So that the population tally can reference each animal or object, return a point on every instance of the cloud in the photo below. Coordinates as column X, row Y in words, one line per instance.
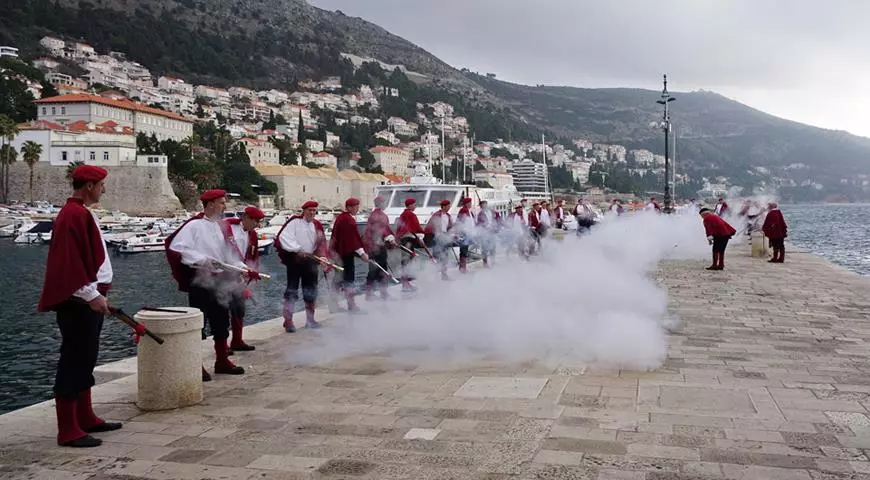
column 772, row 52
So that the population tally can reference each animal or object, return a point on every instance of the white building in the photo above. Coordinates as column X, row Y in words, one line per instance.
column 104, row 145
column 580, row 171
column 388, row 136
column 81, row 51
column 297, row 184
column 66, row 109
column 325, row 158
column 529, row 176
column 55, row 46
column 494, row 179
column 175, row 85
column 8, row 52
column 392, row 160
column 213, row 94
column 261, row 152
column 332, row 140
column 242, row 93
column 314, row 145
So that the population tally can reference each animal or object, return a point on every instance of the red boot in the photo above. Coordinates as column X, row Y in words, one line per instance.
column 370, row 290
column 88, row 420
column 69, row 433
column 384, row 294
column 238, row 324
column 288, row 317
column 309, row 315
column 463, row 265
column 222, row 363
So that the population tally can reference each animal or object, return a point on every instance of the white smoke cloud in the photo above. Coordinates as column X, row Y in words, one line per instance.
column 583, row 300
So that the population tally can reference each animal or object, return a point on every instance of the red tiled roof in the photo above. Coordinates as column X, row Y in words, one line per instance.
column 385, row 149
column 40, row 125
column 322, row 154
column 125, row 104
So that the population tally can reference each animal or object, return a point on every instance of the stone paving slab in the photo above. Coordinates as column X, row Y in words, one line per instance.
column 767, row 377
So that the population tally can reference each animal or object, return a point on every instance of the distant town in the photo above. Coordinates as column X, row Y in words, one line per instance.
column 96, row 116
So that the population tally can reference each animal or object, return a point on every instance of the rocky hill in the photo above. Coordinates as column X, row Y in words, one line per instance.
column 261, row 43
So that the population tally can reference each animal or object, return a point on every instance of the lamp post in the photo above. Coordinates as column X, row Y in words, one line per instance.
column 666, row 126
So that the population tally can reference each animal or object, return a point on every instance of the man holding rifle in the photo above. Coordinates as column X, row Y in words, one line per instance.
column 347, row 244
column 410, row 235
column 301, row 245
column 78, row 276
column 197, row 252
column 241, row 235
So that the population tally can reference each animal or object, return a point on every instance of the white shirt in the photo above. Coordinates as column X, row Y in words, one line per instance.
column 202, row 240
column 545, row 217
column 240, row 237
column 440, row 223
column 299, row 235
column 650, row 206
column 614, row 208
column 104, row 273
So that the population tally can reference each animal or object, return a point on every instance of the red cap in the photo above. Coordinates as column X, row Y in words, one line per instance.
column 310, row 204
column 518, row 207
column 380, row 200
column 255, row 213
column 410, row 201
column 351, row 202
column 466, row 200
column 210, row 195
column 89, row 173
column 444, row 202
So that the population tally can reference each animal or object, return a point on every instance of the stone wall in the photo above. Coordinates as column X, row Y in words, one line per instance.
column 130, row 189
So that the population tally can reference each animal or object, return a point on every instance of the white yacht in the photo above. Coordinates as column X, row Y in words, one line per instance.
column 39, row 234
column 16, row 226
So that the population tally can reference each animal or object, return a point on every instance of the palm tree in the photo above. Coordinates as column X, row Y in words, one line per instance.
column 71, row 167
column 31, row 152
column 8, row 131
column 8, row 156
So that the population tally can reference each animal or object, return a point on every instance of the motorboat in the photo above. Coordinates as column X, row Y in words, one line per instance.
column 39, row 234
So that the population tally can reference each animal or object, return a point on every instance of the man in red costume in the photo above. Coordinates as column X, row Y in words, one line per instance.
column 488, row 223
column 195, row 252
column 411, row 236
column 78, row 275
column 559, row 214
column 722, row 208
column 299, row 242
column 465, row 229
column 377, row 239
column 241, row 235
column 776, row 230
column 347, row 244
column 439, row 236
column 718, row 234
column 535, row 226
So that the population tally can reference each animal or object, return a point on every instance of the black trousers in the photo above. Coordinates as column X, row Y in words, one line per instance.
column 217, row 316
column 719, row 244
column 237, row 306
column 349, row 275
column 777, row 243
column 80, row 346
column 301, row 271
column 375, row 275
column 410, row 243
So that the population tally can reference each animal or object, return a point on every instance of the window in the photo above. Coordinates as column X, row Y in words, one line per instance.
column 106, row 156
column 437, row 195
column 63, row 110
column 63, row 156
column 44, row 110
column 53, row 111
column 303, row 186
column 93, row 156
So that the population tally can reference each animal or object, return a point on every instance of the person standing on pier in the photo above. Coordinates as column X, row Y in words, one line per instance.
column 195, row 252
column 411, row 235
column 535, row 226
column 347, row 244
column 722, row 208
column 520, row 230
column 465, row 229
column 439, row 235
column 299, row 243
column 718, row 233
column 488, row 223
column 776, row 230
column 78, row 275
column 241, row 235
column 377, row 239
column 559, row 214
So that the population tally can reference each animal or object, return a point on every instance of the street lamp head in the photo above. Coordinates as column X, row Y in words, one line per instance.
column 671, row 99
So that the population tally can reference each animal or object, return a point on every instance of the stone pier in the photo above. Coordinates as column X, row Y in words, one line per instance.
column 767, row 378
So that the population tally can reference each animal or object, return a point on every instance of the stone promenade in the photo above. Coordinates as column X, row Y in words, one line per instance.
column 766, row 378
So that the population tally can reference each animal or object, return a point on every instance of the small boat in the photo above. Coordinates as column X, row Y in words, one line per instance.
column 17, row 226
column 142, row 244
column 37, row 235
column 264, row 245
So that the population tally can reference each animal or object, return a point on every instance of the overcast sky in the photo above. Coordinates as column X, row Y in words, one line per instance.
column 803, row 60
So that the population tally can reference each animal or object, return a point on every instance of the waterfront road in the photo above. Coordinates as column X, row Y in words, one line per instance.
column 767, row 377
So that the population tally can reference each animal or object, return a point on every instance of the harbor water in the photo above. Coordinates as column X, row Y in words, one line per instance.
column 29, row 341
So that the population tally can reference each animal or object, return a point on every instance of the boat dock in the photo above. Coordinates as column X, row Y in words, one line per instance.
column 766, row 378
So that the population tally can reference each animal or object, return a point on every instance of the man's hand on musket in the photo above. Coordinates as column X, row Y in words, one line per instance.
column 252, row 275
column 100, row 304
column 365, row 257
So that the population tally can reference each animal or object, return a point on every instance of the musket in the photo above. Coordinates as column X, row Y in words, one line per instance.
column 327, row 263
column 136, row 326
column 384, row 270
column 242, row 270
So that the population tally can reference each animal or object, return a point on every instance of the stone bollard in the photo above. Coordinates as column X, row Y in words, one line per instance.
column 170, row 375
column 758, row 244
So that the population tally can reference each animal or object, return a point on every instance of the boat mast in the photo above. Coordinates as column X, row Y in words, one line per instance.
column 546, row 170
column 443, row 152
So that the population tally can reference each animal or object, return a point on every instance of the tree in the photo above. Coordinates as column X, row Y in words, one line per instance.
column 8, row 131
column 300, row 137
column 366, row 160
column 31, row 152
